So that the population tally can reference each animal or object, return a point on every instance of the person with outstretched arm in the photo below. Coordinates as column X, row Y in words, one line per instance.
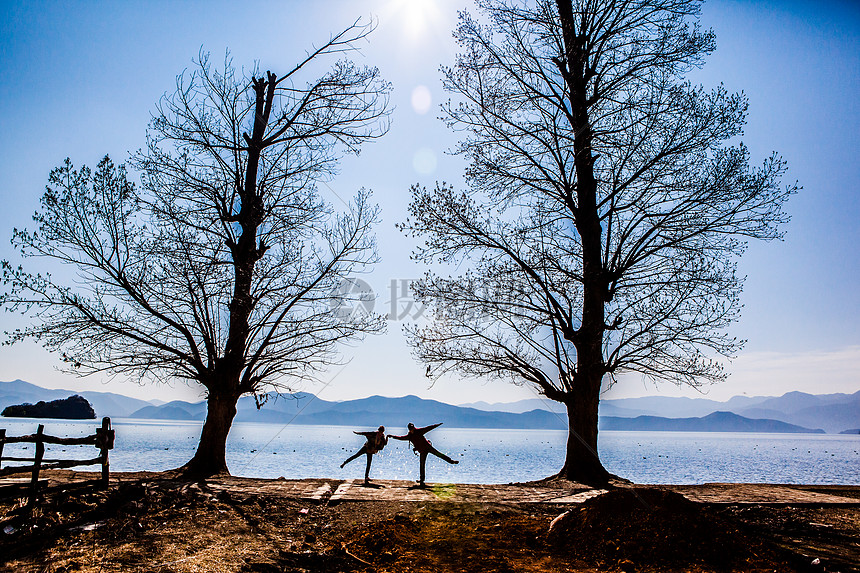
column 422, row 445
column 375, row 442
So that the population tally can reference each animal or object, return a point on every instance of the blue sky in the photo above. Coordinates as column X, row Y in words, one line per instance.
column 80, row 79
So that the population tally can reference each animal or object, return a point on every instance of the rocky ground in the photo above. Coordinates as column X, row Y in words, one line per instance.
column 156, row 522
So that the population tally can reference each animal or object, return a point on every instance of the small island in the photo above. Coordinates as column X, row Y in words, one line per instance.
column 71, row 408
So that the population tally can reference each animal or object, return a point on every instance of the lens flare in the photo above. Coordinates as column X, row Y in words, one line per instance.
column 421, row 99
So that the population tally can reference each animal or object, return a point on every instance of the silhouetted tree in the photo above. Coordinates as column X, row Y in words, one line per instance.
column 607, row 206
column 222, row 268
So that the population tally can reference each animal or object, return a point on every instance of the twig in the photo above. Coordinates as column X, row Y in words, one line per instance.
column 345, row 550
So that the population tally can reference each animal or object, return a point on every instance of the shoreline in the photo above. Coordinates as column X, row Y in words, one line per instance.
column 549, row 490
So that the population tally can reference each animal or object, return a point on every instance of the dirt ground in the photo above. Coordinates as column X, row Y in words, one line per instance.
column 155, row 522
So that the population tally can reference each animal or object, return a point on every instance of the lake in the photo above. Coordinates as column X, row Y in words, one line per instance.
column 486, row 455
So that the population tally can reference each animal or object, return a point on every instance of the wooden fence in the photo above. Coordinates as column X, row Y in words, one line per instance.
column 103, row 440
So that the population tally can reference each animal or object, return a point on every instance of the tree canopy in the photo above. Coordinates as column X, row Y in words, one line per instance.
column 607, row 202
column 223, row 266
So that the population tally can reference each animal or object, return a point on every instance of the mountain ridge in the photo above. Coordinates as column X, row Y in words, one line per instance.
column 832, row 413
column 728, row 421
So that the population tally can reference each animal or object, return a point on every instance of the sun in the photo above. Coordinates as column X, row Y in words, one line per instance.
column 416, row 18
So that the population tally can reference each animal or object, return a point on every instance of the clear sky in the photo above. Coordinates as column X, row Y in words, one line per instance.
column 80, row 79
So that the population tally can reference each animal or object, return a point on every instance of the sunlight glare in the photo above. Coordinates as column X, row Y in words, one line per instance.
column 417, row 17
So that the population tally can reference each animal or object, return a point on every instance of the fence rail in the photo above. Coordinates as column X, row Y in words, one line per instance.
column 103, row 439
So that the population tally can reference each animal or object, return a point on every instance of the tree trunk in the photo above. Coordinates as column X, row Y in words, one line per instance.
column 582, row 463
column 211, row 456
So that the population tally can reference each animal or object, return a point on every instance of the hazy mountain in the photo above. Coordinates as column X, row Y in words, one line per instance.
column 397, row 412
column 287, row 404
column 831, row 417
column 714, row 422
column 793, row 403
column 611, row 409
column 666, row 406
column 623, row 407
column 366, row 412
column 164, row 412
column 832, row 412
column 632, row 407
column 744, row 401
column 175, row 410
column 276, row 409
column 518, row 407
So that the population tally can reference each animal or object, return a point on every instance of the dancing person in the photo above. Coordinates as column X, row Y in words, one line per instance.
column 375, row 442
column 423, row 446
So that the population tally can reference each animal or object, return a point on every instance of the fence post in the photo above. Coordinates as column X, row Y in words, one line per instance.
column 37, row 463
column 2, row 443
column 104, row 440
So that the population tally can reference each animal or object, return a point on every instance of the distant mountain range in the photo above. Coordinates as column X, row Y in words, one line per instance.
column 299, row 408
column 303, row 408
column 726, row 421
column 833, row 413
column 791, row 412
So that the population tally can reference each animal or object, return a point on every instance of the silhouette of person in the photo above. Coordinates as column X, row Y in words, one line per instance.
column 375, row 442
column 423, row 446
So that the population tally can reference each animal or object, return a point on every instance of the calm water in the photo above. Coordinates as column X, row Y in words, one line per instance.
column 486, row 456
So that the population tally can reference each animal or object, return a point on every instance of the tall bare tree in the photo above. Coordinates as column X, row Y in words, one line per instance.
column 608, row 202
column 222, row 268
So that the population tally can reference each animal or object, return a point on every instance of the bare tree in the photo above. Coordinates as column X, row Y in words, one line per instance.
column 608, row 202
column 222, row 268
